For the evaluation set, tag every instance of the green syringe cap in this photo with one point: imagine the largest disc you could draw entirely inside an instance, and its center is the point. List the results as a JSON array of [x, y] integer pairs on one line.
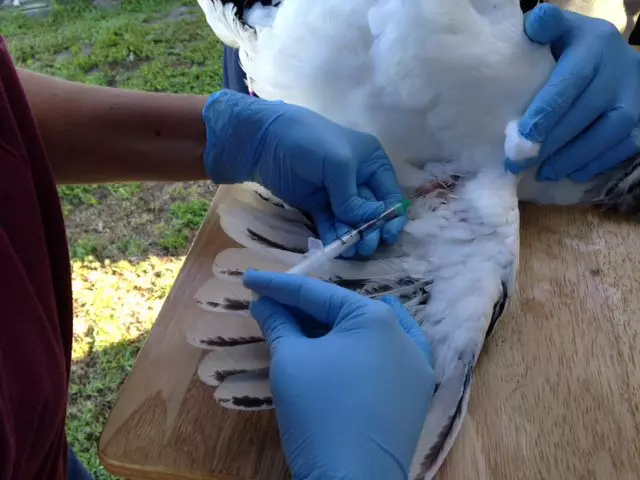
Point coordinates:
[[405, 204]]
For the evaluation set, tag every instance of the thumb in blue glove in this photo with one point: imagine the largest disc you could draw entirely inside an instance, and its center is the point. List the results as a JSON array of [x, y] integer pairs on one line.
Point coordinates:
[[350, 403], [585, 118], [340, 176]]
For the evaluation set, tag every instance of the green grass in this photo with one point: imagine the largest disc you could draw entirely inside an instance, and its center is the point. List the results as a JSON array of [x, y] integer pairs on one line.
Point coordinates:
[[142, 45], [127, 241], [185, 218]]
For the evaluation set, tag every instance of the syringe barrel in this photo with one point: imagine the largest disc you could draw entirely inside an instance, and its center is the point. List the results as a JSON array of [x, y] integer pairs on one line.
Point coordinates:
[[314, 262]]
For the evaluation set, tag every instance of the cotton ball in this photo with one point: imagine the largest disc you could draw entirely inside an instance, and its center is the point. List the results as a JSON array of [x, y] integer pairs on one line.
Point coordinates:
[[516, 147]]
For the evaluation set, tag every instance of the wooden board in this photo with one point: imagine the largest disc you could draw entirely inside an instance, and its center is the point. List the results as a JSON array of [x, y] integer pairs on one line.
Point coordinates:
[[556, 393]]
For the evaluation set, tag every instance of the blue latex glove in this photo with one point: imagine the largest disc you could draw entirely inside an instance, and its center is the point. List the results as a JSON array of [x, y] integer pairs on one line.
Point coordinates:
[[341, 177], [585, 116], [349, 404]]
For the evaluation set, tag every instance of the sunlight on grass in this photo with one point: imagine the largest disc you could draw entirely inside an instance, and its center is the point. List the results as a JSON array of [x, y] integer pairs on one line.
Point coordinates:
[[115, 306]]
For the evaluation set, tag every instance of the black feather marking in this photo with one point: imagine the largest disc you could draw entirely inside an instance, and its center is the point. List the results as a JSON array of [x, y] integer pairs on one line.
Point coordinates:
[[242, 5], [355, 284], [498, 310], [249, 402], [222, 375], [311, 228], [271, 244], [232, 304], [232, 273], [431, 457], [425, 299], [405, 288], [272, 201], [623, 195], [371, 288], [229, 341]]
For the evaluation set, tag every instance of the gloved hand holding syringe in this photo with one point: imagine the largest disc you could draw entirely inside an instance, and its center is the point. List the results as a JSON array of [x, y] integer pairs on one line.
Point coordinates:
[[314, 259]]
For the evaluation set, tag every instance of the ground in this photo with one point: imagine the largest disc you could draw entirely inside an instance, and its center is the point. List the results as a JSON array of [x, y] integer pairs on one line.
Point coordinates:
[[128, 241]]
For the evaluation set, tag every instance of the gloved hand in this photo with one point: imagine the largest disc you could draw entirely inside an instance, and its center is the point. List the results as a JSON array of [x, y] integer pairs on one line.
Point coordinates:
[[349, 404], [587, 114], [341, 177]]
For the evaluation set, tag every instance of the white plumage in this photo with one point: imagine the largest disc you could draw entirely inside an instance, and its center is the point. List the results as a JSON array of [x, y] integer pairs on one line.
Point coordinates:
[[441, 84]]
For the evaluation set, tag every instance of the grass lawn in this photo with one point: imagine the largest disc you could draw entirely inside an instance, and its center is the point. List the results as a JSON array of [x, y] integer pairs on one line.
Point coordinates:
[[127, 241]]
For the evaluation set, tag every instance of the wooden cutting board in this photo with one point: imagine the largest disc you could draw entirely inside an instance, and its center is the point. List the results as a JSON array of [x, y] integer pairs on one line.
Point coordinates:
[[556, 393]]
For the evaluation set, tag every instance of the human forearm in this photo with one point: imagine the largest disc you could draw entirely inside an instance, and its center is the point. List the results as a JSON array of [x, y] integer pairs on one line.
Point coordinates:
[[98, 134]]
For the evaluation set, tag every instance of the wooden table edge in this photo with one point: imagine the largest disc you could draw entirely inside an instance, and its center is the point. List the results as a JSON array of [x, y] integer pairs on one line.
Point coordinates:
[[132, 472], [122, 469]]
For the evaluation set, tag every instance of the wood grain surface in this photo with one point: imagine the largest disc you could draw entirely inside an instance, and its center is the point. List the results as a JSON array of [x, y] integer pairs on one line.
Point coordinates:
[[556, 393]]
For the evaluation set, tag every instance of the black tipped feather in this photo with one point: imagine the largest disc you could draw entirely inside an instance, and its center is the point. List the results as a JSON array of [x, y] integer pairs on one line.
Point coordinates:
[[249, 402], [229, 342], [623, 195], [404, 287], [432, 456], [410, 291], [221, 375], [271, 244], [272, 201], [498, 310], [232, 273], [231, 304]]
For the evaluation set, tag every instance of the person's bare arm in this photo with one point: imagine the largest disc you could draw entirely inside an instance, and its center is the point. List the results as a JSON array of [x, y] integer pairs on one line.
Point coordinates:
[[101, 135]]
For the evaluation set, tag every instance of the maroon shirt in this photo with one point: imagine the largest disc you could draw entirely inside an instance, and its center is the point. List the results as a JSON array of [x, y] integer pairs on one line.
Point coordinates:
[[35, 297]]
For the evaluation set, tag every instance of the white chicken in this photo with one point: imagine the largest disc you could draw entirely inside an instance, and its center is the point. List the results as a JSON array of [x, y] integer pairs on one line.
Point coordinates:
[[441, 84]]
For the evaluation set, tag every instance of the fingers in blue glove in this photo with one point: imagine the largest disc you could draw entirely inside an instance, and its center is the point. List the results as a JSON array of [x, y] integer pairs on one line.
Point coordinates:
[[347, 205], [383, 184], [594, 142], [544, 24], [319, 299], [382, 191], [568, 90], [370, 243], [330, 228], [275, 321], [568, 81], [613, 157], [410, 326]]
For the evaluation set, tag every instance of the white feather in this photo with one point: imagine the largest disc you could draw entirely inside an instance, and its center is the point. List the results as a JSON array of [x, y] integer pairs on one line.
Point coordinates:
[[246, 391], [217, 293], [222, 330], [222, 20], [222, 363], [239, 220]]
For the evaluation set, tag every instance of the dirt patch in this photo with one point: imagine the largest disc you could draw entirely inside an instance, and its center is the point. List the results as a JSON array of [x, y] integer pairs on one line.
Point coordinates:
[[130, 225], [106, 3], [183, 13]]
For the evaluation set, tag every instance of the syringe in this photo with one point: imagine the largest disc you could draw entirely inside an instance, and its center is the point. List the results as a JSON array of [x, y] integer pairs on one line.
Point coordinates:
[[315, 259]]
